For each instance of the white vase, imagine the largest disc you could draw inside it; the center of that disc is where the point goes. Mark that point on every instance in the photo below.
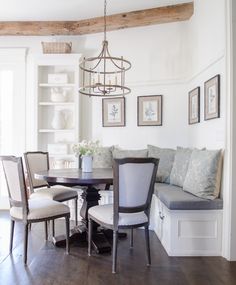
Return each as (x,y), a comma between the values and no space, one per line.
(58,95)
(58,121)
(87,163)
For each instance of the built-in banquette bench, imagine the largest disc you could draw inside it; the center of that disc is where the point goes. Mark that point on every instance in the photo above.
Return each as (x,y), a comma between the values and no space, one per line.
(186,213)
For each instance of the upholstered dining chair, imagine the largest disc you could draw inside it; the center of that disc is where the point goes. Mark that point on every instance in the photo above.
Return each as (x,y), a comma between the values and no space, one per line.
(133,182)
(32,210)
(36,161)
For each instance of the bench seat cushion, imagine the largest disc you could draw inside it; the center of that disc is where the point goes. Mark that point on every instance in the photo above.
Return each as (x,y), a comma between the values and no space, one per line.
(175,198)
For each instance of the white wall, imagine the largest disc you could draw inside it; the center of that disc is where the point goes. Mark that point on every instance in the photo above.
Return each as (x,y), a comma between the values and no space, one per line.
(232,196)
(207,44)
(159,59)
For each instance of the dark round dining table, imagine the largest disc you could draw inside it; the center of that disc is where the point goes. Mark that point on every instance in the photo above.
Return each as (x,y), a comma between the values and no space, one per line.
(74,176)
(91,183)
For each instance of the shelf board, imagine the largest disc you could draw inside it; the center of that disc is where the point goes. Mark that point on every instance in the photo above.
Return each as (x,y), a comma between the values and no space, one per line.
(55,131)
(57,85)
(56,103)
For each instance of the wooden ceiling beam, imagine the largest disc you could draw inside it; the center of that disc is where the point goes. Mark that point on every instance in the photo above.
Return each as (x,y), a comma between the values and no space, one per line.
(160,15)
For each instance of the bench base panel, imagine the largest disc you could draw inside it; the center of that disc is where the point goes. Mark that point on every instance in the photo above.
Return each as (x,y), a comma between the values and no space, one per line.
(187,232)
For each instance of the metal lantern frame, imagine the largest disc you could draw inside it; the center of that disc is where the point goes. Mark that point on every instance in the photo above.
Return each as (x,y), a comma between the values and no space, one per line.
(97,71)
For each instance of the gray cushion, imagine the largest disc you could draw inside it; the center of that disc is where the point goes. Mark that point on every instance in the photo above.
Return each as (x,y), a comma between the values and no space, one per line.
(121,153)
(166,157)
(176,199)
(180,166)
(204,173)
(103,158)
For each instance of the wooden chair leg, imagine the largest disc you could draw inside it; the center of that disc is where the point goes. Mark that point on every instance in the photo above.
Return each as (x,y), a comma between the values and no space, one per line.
(46,230)
(147,245)
(53,228)
(76,211)
(131,238)
(114,251)
(90,233)
(25,243)
(67,220)
(11,235)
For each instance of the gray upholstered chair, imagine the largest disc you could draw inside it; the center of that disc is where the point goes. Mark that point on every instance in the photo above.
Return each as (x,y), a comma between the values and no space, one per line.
(134,180)
(36,161)
(29,211)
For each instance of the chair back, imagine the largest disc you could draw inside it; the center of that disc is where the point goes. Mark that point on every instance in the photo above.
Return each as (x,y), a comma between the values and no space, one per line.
(36,161)
(134,180)
(14,174)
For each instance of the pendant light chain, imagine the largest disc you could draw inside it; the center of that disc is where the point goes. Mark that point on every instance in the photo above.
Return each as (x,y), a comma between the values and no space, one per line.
(105,20)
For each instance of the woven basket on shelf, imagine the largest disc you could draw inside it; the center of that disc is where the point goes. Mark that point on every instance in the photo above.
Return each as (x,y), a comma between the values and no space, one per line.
(56,47)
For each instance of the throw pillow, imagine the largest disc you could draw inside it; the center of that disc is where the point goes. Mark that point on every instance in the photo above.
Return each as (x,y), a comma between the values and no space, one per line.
(203,177)
(103,158)
(180,166)
(166,156)
(119,153)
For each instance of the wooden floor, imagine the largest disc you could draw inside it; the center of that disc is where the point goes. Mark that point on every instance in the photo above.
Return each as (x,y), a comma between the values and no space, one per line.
(50,265)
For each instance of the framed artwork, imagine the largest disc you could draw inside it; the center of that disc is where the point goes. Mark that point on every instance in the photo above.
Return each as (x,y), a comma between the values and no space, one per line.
(194,106)
(212,98)
(150,110)
(113,112)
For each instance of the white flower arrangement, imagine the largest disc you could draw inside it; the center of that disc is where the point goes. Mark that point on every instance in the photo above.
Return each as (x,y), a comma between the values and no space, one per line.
(85,148)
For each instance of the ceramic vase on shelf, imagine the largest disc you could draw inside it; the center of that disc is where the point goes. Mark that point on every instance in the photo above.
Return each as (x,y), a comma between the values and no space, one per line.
(58,95)
(87,163)
(58,121)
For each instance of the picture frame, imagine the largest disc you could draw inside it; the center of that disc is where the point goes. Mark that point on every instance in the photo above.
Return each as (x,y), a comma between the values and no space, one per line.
(149,110)
(194,106)
(212,98)
(113,112)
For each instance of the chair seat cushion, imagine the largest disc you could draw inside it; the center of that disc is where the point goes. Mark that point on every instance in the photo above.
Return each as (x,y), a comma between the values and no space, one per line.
(176,199)
(104,214)
(40,209)
(54,193)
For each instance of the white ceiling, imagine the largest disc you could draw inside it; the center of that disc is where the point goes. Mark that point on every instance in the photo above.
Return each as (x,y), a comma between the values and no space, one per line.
(56,10)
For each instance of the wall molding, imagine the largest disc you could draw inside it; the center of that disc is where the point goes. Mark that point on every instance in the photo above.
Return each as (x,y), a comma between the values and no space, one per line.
(211,63)
(180,80)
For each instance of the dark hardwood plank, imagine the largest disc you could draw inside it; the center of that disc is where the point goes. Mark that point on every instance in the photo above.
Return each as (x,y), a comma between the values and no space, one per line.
(49,265)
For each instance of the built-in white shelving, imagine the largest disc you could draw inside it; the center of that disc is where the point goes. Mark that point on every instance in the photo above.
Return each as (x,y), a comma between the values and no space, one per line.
(57,116)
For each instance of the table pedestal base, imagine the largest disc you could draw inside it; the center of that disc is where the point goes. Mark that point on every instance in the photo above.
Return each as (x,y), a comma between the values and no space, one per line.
(101,240)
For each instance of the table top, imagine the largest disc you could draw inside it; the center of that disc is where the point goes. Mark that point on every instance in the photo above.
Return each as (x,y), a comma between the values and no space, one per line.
(75,176)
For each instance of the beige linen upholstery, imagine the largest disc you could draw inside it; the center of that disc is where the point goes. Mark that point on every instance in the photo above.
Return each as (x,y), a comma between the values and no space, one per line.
(104,214)
(40,209)
(37,161)
(29,211)
(54,193)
